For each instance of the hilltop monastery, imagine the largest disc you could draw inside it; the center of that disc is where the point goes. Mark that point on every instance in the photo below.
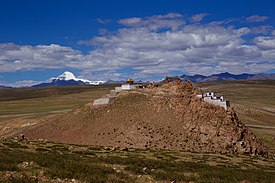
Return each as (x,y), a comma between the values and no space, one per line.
(130,85)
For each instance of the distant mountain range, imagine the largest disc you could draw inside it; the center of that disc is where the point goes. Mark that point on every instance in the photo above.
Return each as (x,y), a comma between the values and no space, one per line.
(68,79)
(227,76)
(2,86)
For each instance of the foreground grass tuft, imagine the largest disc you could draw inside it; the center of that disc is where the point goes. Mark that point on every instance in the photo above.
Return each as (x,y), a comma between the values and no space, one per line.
(93,164)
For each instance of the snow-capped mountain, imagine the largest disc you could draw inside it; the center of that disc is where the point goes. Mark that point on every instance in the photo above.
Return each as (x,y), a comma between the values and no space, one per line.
(67,76)
(68,79)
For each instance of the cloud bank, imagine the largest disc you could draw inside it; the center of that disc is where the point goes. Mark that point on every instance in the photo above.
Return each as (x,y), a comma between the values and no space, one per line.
(147,47)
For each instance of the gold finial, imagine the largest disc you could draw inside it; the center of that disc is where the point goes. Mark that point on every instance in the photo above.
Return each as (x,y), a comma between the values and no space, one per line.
(130,81)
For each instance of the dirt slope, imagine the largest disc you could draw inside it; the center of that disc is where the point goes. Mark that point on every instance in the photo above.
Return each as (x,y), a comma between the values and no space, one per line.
(167,117)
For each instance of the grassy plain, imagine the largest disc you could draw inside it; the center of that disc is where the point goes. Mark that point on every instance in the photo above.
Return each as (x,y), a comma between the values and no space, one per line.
(36,102)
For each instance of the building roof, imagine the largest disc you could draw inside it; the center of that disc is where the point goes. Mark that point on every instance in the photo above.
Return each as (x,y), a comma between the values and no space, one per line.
(130,81)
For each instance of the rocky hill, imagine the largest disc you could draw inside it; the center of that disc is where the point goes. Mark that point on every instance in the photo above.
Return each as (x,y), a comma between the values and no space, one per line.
(160,117)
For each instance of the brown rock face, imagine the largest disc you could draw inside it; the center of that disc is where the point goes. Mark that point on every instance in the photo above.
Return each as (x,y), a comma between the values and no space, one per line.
(165,117)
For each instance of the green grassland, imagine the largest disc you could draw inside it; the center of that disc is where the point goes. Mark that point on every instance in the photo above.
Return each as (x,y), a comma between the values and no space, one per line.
(42,161)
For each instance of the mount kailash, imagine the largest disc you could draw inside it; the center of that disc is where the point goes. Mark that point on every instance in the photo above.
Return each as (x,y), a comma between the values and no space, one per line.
(69,79)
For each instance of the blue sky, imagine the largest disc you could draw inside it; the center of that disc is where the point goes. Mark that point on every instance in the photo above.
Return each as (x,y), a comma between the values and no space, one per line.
(143,39)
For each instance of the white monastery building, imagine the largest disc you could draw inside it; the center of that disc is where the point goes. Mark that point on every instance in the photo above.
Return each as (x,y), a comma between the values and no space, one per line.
(216,100)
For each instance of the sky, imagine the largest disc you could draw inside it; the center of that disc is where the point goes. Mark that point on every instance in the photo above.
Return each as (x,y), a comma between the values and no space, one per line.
(141,39)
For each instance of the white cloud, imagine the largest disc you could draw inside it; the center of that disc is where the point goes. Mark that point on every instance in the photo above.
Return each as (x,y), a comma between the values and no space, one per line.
(103,21)
(198,17)
(150,52)
(130,21)
(22,83)
(25,57)
(224,22)
(262,29)
(256,18)
(171,20)
(266,43)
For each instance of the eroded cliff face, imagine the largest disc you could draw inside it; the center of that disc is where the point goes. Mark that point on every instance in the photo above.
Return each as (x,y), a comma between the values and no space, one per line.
(160,117)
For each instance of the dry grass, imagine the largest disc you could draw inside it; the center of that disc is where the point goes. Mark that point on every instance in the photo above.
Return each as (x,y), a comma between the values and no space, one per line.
(42,161)
(29,103)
